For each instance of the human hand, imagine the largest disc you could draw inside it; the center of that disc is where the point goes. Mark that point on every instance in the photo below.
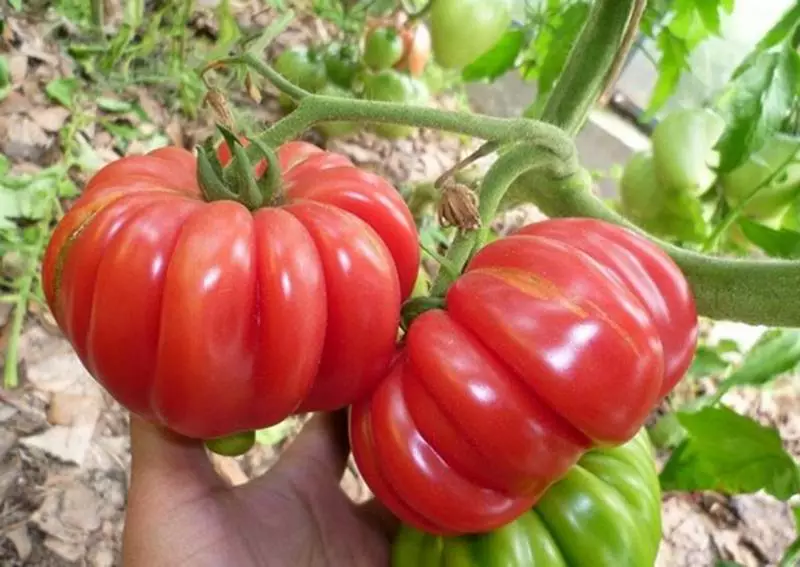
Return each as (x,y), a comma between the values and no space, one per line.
(182,514)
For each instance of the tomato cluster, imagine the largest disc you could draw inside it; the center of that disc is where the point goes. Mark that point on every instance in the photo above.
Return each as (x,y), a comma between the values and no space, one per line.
(213,319)
(557,339)
(387,65)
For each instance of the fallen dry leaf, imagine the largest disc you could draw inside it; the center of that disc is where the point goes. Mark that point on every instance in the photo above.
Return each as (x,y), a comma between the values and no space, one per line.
(67,443)
(18,68)
(21,539)
(51,118)
(69,409)
(22,139)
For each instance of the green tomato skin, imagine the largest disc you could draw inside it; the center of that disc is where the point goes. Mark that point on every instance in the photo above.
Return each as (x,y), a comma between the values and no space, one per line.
(606,512)
(657,208)
(336,129)
(392,86)
(772,201)
(640,192)
(383,48)
(463,30)
(302,67)
(341,64)
(683,149)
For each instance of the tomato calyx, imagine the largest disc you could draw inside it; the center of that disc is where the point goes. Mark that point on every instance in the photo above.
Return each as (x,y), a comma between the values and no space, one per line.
(238,180)
(416,306)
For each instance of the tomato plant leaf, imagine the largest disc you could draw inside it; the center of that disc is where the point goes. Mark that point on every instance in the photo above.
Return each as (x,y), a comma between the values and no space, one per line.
(757,104)
(775,353)
(707,361)
(731,454)
(778,243)
(564,38)
(63,90)
(678,28)
(791,557)
(780,33)
(498,60)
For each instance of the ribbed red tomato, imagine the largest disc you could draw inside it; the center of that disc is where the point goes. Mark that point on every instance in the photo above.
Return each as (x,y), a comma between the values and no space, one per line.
(213,319)
(557,339)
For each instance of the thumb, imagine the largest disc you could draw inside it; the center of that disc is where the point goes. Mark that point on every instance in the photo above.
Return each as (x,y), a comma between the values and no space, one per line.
(167,465)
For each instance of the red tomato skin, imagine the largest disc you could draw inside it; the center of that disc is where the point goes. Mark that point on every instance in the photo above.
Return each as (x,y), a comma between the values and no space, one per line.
(416,49)
(211,319)
(555,340)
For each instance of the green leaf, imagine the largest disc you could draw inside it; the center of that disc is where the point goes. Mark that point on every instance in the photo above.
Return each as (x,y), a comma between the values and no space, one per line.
(758,103)
(678,28)
(673,62)
(63,90)
(113,104)
(707,362)
(562,41)
(781,32)
(498,60)
(732,454)
(778,243)
(776,353)
(791,557)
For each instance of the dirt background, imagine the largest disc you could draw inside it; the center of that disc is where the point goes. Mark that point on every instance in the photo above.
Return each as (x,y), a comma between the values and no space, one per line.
(64,450)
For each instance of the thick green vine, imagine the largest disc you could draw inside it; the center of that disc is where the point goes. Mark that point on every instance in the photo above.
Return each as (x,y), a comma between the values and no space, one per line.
(540,155)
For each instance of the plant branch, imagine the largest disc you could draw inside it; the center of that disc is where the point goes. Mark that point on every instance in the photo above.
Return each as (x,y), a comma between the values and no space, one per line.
(760,292)
(510,165)
(588,64)
(622,54)
(262,68)
(317,108)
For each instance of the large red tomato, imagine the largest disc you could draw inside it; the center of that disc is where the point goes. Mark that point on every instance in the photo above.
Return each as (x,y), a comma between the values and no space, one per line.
(557,339)
(212,319)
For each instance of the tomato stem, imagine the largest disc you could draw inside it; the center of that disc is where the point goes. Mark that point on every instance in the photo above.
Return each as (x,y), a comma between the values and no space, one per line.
(588,65)
(508,168)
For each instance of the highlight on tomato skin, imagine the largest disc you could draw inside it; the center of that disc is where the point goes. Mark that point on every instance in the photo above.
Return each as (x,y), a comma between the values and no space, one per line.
(556,340)
(213,319)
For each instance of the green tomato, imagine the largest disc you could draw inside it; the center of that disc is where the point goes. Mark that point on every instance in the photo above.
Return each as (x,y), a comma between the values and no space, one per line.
(640,193)
(383,48)
(336,129)
(773,200)
(463,30)
(303,67)
(683,149)
(657,208)
(392,86)
(606,512)
(341,64)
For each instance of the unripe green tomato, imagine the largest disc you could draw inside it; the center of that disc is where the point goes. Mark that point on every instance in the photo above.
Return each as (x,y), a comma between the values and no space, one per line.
(303,67)
(683,149)
(606,512)
(336,129)
(341,64)
(463,30)
(392,86)
(642,197)
(383,48)
(664,212)
(773,200)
